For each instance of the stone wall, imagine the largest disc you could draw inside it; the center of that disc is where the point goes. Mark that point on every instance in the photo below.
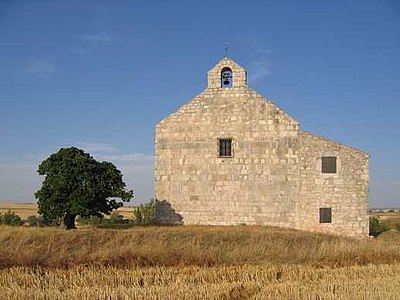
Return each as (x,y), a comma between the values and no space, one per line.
(345,192)
(274,176)
(258,185)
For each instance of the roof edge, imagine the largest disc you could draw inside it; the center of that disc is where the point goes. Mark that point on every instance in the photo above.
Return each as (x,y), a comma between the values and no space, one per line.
(325,139)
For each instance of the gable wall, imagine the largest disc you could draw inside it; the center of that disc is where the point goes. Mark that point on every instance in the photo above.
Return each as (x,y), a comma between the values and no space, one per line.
(274,177)
(259,185)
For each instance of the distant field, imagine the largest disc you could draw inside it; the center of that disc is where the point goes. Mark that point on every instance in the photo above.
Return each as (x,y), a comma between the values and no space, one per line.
(389,217)
(24,210)
(387,214)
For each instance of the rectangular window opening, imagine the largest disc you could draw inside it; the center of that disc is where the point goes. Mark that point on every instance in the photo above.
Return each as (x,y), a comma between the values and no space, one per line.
(329,164)
(325,215)
(225,147)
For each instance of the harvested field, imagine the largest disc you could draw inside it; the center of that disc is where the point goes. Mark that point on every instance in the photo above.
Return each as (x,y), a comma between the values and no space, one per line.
(195,262)
(222,282)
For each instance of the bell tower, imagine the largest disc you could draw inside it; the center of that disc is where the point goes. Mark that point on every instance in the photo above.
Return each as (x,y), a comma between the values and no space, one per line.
(227,74)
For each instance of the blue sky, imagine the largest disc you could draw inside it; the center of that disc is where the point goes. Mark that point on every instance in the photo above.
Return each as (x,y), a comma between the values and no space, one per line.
(100,74)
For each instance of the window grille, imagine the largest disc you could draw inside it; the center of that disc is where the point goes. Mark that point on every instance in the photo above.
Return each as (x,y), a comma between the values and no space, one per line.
(225,147)
(329,164)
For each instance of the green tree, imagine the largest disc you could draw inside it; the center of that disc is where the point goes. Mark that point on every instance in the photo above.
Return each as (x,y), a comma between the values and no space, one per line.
(10,218)
(145,214)
(36,221)
(117,218)
(76,184)
(376,227)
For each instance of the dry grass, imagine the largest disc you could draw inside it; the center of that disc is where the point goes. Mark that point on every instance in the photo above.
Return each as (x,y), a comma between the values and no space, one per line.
(222,282)
(195,262)
(189,245)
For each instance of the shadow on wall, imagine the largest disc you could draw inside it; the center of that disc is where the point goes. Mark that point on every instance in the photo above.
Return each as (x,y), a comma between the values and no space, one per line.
(166,215)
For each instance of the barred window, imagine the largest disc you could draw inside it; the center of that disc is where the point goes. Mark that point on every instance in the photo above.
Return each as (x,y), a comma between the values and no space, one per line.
(225,147)
(325,215)
(329,164)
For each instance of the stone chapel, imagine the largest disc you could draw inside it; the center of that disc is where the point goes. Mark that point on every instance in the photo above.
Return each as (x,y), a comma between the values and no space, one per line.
(230,156)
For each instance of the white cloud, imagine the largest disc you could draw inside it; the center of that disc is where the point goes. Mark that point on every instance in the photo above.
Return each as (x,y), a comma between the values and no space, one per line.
(19,179)
(90,41)
(96,40)
(137,168)
(102,14)
(385,193)
(107,152)
(77,50)
(101,37)
(138,158)
(259,67)
(140,178)
(97,147)
(42,65)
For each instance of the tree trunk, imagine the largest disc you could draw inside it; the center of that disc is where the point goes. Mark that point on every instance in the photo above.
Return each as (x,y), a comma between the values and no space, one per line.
(69,221)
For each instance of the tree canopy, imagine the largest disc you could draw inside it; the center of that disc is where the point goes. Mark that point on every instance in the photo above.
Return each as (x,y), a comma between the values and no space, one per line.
(76,184)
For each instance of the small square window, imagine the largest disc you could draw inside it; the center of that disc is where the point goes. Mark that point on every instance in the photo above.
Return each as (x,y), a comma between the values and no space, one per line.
(328,164)
(225,147)
(325,215)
